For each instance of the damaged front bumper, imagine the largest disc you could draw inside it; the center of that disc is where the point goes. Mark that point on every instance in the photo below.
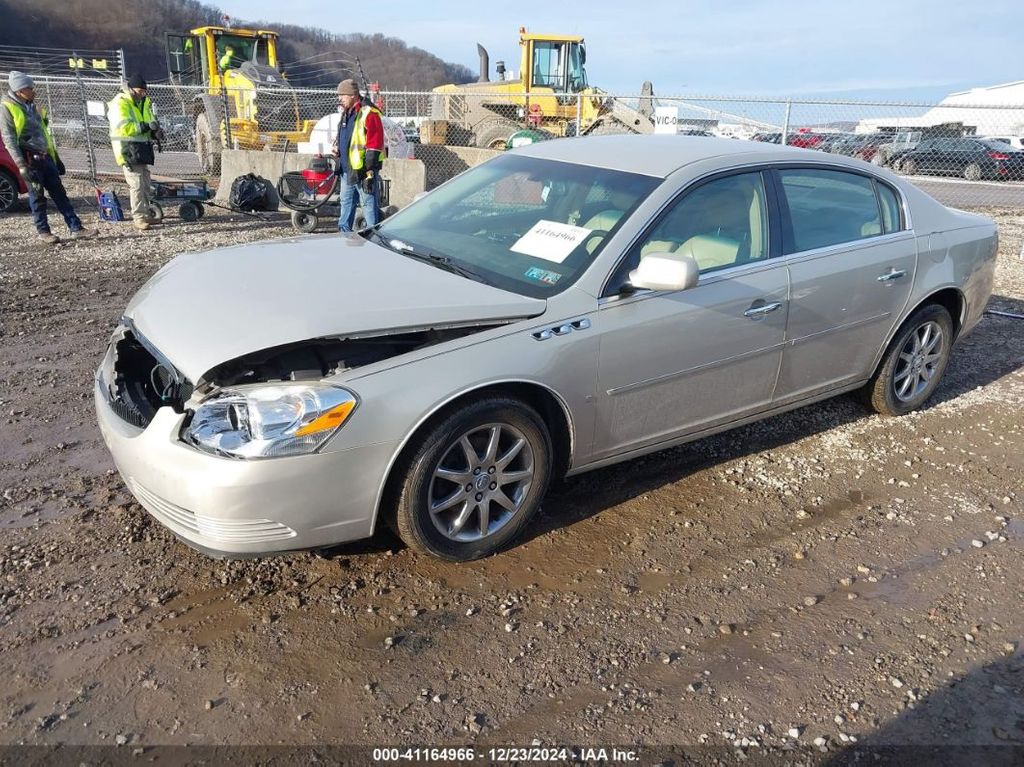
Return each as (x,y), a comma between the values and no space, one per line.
(226,506)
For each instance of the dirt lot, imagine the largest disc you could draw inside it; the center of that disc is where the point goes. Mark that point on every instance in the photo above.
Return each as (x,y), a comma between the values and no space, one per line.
(824,578)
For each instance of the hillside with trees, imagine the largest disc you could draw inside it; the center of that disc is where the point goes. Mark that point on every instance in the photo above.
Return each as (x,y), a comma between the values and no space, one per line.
(311,57)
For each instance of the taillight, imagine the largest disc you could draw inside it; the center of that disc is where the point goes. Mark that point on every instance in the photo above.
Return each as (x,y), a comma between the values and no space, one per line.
(998,156)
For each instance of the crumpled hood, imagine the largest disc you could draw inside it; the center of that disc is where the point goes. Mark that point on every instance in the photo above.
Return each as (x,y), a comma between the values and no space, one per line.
(203,309)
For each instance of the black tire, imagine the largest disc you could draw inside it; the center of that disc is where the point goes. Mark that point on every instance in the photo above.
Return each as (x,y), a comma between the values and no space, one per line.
(908,167)
(8,192)
(359,221)
(200,208)
(495,136)
(435,450)
(189,211)
(155,213)
(208,145)
(387,211)
(895,371)
(973,172)
(304,221)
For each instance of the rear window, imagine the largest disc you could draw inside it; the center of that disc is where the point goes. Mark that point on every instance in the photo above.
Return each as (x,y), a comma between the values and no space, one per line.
(997,144)
(829,208)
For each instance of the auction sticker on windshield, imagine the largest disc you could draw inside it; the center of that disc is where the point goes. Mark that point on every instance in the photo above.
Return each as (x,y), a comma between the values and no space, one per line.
(551,240)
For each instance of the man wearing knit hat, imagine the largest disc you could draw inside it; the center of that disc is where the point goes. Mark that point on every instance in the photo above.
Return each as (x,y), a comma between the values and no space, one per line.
(26,134)
(360,151)
(133,125)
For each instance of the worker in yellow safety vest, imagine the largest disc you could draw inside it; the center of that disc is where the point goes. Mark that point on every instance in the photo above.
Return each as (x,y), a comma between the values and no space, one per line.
(133,126)
(360,149)
(228,59)
(25,131)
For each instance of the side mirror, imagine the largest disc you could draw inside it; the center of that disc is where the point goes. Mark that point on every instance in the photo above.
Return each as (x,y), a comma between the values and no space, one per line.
(665,271)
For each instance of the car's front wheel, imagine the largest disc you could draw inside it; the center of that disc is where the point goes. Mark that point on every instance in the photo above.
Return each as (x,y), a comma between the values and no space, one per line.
(8,191)
(913,364)
(473,481)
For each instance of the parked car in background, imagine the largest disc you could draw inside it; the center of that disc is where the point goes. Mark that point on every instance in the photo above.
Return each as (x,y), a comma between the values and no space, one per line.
(558,308)
(179,133)
(11,182)
(769,138)
(70,132)
(899,144)
(972,158)
(805,139)
(831,142)
(863,146)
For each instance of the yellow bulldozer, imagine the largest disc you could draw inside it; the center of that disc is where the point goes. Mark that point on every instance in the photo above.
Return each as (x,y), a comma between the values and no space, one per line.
(550,95)
(247,103)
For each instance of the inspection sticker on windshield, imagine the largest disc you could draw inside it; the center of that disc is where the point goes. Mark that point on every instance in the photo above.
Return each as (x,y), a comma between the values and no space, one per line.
(542,275)
(550,240)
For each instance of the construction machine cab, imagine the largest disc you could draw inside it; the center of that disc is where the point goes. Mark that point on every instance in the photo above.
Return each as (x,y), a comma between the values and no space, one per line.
(554,62)
(209,55)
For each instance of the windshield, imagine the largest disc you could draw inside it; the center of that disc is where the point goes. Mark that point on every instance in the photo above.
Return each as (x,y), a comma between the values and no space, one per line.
(233,51)
(523,224)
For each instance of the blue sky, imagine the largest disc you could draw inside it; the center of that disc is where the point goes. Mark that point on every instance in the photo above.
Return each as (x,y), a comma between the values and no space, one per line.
(884,49)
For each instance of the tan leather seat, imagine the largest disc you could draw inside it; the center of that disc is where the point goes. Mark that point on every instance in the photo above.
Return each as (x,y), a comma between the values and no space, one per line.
(603,221)
(710,251)
(658,246)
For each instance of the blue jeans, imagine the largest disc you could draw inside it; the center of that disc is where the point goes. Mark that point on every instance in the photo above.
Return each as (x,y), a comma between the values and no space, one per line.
(347,203)
(48,179)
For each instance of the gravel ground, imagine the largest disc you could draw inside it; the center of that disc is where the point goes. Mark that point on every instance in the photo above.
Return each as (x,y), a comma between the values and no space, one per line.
(823,578)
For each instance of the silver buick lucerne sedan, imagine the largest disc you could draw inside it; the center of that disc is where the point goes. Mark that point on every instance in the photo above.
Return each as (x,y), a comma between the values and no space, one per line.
(558,308)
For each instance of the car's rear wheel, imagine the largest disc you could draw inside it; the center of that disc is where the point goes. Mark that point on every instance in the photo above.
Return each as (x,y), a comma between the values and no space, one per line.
(474,480)
(972,172)
(913,364)
(908,167)
(8,191)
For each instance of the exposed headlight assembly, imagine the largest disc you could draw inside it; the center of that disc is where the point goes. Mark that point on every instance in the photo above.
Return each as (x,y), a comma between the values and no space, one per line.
(269,420)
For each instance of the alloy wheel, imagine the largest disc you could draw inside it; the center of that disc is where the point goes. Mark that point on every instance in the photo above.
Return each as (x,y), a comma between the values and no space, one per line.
(919,360)
(481,482)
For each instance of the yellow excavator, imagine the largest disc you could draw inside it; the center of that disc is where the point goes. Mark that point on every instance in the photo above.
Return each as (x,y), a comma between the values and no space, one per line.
(551,94)
(247,103)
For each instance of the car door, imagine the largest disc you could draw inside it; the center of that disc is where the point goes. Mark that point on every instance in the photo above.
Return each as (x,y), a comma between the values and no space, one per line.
(924,155)
(851,266)
(672,363)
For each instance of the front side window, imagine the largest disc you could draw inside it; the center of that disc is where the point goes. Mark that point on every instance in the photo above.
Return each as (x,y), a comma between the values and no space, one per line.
(721,223)
(828,207)
(524,224)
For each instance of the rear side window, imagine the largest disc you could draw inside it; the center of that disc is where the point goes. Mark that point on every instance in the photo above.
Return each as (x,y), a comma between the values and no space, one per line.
(829,207)
(892,221)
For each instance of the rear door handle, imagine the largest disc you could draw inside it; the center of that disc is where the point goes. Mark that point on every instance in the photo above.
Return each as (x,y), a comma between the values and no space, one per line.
(892,274)
(756,312)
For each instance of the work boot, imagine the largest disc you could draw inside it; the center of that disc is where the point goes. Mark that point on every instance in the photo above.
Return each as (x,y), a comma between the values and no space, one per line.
(141,224)
(81,234)
(49,238)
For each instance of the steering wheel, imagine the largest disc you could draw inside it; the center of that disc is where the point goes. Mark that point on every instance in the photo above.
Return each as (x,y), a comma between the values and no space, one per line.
(594,233)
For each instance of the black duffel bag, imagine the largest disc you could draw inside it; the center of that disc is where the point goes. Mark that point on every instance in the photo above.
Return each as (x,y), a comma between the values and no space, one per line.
(138,152)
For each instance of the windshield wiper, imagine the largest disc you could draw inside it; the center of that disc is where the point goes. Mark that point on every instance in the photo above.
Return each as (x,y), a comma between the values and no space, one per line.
(441,262)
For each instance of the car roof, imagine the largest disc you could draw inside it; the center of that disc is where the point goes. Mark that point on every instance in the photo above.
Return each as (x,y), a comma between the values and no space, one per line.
(652,155)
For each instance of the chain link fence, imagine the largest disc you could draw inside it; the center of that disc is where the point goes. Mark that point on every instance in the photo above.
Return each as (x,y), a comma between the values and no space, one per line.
(963,153)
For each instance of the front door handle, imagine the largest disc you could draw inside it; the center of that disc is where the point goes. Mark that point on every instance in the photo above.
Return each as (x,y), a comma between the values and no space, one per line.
(892,274)
(756,312)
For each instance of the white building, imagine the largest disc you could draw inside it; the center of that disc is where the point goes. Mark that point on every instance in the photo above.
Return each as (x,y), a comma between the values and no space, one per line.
(991,110)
